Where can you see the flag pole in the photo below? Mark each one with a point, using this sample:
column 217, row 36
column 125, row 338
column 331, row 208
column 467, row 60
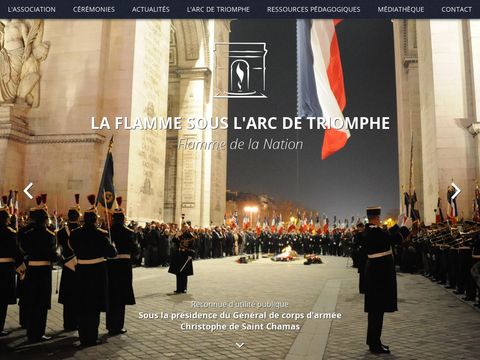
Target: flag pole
column 410, row 184
column 56, row 236
column 16, row 211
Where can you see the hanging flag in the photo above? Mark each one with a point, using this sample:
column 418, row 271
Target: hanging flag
column 414, row 213
column 16, row 211
column 452, row 204
column 258, row 228
column 291, row 228
column 439, row 213
column 476, row 205
column 321, row 91
column 281, row 229
column 246, row 222
column 11, row 201
column 106, row 190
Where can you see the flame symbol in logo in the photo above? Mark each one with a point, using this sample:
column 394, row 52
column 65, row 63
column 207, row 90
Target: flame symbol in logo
column 240, row 74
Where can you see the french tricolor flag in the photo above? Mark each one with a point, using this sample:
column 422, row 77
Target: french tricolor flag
column 320, row 88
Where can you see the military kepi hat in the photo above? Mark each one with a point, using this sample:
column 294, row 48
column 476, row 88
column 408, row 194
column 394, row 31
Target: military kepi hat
column 374, row 211
column 74, row 212
column 92, row 208
column 119, row 212
column 34, row 210
column 118, row 209
column 90, row 215
column 41, row 210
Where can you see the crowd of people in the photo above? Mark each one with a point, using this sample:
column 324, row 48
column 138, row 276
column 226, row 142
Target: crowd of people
column 444, row 253
column 154, row 242
column 96, row 269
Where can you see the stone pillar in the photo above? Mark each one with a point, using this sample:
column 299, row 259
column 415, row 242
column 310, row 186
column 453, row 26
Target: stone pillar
column 146, row 154
column 408, row 109
column 473, row 30
column 455, row 146
column 427, row 188
column 192, row 187
column 195, row 179
column 218, row 173
column 170, row 178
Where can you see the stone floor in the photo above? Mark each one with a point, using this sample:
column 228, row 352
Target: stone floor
column 431, row 323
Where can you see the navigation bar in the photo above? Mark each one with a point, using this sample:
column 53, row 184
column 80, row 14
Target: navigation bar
column 231, row 9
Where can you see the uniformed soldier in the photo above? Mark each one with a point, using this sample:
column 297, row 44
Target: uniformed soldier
column 66, row 294
column 164, row 246
column 182, row 257
column 91, row 246
column 229, row 242
column 256, row 245
column 473, row 288
column 216, row 243
column 22, row 312
column 325, row 243
column 9, row 258
column 380, row 280
column 39, row 246
column 361, row 256
column 120, row 289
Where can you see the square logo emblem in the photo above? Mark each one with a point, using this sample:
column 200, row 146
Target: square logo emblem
column 245, row 62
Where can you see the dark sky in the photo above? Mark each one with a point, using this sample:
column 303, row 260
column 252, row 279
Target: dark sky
column 363, row 173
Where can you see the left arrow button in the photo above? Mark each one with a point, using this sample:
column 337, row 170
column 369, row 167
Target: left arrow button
column 26, row 191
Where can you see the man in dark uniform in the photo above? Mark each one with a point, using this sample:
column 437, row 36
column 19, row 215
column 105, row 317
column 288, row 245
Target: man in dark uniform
column 473, row 287
column 22, row 311
column 120, row 289
column 91, row 246
column 164, row 246
column 9, row 257
column 229, row 243
column 274, row 243
column 256, row 244
column 325, row 243
column 380, row 279
column 182, row 257
column 361, row 256
column 216, row 243
column 39, row 245
column 66, row 295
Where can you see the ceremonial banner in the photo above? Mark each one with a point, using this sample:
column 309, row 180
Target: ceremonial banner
column 106, row 191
